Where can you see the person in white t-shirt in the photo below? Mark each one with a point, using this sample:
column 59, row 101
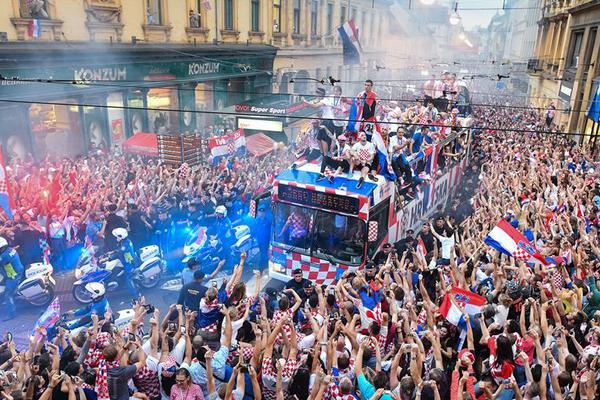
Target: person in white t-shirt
column 339, row 160
column 363, row 154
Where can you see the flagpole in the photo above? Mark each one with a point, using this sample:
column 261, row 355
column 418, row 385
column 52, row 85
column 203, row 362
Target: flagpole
column 475, row 252
column 594, row 137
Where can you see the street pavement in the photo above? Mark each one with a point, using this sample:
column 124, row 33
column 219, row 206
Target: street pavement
column 161, row 297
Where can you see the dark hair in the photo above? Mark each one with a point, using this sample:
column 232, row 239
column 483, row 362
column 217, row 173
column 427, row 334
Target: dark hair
column 299, row 383
column 284, row 303
column 375, row 328
column 72, row 368
column 67, row 357
column 380, row 380
column 110, row 352
column 368, row 81
column 504, row 351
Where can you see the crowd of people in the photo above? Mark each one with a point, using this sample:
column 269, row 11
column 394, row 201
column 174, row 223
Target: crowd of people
column 382, row 332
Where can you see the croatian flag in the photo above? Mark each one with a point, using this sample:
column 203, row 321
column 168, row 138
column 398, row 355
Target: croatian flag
column 353, row 122
column 508, row 240
column 469, row 301
column 352, row 49
column 385, row 167
column 421, row 249
column 582, row 218
column 5, row 197
column 50, row 316
column 34, row 29
column 228, row 144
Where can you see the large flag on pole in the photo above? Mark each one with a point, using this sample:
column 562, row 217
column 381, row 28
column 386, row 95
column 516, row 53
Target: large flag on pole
column 5, row 198
column 385, row 165
column 508, row 240
column 594, row 110
column 352, row 49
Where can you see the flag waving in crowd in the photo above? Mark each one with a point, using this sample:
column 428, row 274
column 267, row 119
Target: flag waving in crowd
column 458, row 299
column 5, row 198
column 511, row 242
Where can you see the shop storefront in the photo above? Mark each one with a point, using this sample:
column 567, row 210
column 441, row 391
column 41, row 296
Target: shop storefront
column 139, row 91
column 281, row 122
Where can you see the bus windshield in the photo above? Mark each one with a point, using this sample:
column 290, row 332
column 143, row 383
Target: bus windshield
column 336, row 238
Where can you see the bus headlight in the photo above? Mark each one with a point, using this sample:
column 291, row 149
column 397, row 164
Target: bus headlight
column 276, row 267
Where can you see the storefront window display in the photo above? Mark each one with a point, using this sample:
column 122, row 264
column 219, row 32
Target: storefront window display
column 204, row 102
column 56, row 129
column 163, row 122
column 95, row 128
column 116, row 118
column 136, row 123
column 13, row 132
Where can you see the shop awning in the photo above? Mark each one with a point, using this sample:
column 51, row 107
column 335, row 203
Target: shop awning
column 144, row 144
column 259, row 144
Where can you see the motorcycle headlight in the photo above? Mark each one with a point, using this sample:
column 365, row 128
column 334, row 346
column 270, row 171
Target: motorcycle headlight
column 78, row 273
column 276, row 267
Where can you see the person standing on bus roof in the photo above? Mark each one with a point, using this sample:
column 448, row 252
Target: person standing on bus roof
column 363, row 153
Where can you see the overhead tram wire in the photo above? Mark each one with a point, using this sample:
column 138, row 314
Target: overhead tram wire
column 106, row 106
column 400, row 100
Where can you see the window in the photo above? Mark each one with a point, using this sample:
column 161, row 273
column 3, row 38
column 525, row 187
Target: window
column 195, row 15
column 228, row 11
column 379, row 214
column 575, row 48
column 255, row 16
column 318, row 233
column 343, row 12
column 154, row 12
column 590, row 48
column 276, row 15
column 314, row 11
column 296, row 27
column 329, row 18
column 34, row 9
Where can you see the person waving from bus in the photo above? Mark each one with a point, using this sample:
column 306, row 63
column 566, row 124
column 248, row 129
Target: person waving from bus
column 363, row 154
column 297, row 224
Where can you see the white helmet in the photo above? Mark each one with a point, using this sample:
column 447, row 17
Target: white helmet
column 120, row 233
column 221, row 210
column 96, row 289
column 3, row 242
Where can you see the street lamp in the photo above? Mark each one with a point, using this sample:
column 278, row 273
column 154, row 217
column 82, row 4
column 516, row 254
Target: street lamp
column 454, row 18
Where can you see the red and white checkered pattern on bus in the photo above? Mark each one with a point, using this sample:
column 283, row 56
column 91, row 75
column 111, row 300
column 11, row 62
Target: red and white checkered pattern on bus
column 314, row 269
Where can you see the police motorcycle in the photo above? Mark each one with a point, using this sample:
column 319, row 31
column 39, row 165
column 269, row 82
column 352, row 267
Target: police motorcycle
column 198, row 244
column 36, row 287
column 76, row 321
column 109, row 269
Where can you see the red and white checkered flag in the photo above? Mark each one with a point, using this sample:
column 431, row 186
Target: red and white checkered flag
column 184, row 170
column 231, row 147
column 372, row 234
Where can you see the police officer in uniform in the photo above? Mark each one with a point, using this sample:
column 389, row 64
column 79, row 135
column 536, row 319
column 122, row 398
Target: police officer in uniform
column 11, row 271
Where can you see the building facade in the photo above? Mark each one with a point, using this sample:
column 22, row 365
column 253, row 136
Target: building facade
column 565, row 70
column 74, row 72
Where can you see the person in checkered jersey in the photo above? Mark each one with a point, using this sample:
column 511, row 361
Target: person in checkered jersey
column 363, row 158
